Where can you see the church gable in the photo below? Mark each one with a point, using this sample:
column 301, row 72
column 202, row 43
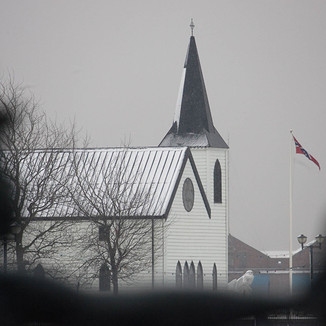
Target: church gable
column 190, row 198
column 192, row 236
column 195, row 181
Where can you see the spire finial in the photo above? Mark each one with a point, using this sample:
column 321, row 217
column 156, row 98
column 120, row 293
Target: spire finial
column 192, row 26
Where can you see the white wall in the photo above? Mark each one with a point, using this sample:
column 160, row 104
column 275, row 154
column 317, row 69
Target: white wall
column 205, row 159
column 193, row 236
column 185, row 236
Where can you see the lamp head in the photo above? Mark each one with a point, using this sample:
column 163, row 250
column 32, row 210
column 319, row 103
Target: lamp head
column 319, row 239
column 302, row 239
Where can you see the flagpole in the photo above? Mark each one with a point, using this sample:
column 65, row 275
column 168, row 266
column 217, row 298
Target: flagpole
column 291, row 211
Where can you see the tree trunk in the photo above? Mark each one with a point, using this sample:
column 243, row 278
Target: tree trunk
column 115, row 280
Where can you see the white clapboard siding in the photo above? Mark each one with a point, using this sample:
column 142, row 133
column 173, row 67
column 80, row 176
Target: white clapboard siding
column 185, row 236
column 206, row 240
column 193, row 236
column 64, row 260
column 219, row 210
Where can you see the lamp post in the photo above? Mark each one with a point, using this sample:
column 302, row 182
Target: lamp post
column 302, row 239
column 15, row 228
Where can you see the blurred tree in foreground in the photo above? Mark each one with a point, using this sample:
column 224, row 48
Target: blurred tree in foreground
column 30, row 146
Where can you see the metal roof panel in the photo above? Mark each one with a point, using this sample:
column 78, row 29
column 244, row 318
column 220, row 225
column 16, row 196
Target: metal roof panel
column 152, row 172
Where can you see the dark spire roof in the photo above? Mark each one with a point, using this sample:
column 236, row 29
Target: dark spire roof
column 193, row 125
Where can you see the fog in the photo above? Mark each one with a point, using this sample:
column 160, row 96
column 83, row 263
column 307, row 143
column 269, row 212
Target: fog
column 115, row 67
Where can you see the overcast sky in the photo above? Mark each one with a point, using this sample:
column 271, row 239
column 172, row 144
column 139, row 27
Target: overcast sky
column 115, row 67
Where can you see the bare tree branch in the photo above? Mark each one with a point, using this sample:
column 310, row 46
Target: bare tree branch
column 31, row 163
column 113, row 201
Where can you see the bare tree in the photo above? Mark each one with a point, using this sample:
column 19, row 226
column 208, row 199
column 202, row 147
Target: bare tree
column 110, row 195
column 31, row 146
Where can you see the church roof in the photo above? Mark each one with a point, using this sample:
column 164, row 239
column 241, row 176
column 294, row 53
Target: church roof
column 193, row 125
column 148, row 176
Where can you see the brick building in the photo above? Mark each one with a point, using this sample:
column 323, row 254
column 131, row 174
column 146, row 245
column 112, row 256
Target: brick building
column 271, row 269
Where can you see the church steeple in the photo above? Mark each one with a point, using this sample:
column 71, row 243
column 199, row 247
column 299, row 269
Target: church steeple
column 193, row 125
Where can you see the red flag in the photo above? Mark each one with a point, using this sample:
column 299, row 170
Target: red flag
column 300, row 150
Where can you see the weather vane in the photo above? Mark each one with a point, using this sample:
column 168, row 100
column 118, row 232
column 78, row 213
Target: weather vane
column 192, row 26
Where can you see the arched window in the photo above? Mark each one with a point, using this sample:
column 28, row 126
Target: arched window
column 200, row 276
column 214, row 278
column 186, row 275
column 39, row 271
column 217, row 183
column 178, row 275
column 104, row 278
column 192, row 276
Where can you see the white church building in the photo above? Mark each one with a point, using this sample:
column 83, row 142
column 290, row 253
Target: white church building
column 187, row 175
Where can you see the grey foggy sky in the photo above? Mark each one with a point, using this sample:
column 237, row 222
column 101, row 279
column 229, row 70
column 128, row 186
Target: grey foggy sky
column 115, row 66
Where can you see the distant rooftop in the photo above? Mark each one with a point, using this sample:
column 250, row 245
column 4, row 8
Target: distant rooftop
column 276, row 254
column 284, row 253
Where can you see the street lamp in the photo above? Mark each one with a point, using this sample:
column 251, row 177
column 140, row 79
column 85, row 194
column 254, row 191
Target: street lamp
column 302, row 239
column 14, row 229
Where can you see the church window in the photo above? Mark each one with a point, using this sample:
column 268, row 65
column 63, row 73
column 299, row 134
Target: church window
column 192, row 276
column 188, row 194
column 217, row 183
column 214, row 277
column 104, row 278
column 200, row 276
column 186, row 275
column 178, row 275
column 103, row 233
column 39, row 271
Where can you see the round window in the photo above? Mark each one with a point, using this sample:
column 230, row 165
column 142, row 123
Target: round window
column 188, row 195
